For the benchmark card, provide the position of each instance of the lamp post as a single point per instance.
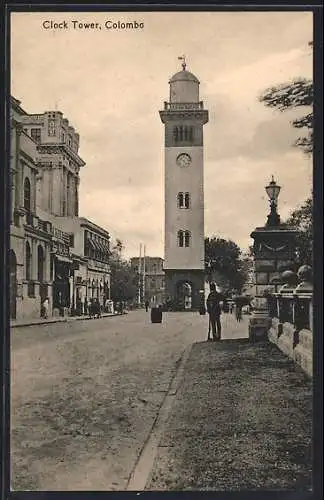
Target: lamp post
(273, 190)
(273, 251)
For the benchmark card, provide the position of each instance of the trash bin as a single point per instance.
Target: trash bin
(156, 315)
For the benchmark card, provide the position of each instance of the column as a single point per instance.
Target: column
(34, 260)
(76, 196)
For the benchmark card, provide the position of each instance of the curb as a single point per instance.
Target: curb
(63, 320)
(140, 475)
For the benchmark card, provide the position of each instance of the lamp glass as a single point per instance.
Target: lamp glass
(273, 190)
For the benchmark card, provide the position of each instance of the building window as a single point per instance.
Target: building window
(181, 133)
(28, 261)
(180, 238)
(183, 200)
(36, 134)
(27, 192)
(180, 200)
(187, 238)
(51, 127)
(184, 238)
(175, 134)
(191, 134)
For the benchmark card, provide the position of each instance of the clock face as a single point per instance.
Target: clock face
(183, 160)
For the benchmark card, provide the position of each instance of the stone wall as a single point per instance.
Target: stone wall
(297, 346)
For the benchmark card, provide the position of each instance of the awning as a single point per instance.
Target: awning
(96, 244)
(91, 243)
(106, 248)
(62, 258)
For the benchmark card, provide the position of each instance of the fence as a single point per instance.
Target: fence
(291, 310)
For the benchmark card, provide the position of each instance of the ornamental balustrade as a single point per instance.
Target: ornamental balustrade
(294, 301)
(176, 106)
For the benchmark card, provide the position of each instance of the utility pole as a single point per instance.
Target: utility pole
(139, 274)
(144, 271)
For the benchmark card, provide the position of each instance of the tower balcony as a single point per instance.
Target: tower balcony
(179, 106)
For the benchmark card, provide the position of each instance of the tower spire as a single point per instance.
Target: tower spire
(183, 59)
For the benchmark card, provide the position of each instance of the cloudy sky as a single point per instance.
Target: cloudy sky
(110, 84)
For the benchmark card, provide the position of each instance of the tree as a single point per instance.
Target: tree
(293, 95)
(224, 257)
(302, 219)
(123, 280)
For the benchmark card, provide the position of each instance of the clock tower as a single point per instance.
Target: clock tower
(184, 261)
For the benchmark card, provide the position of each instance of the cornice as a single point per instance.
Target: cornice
(60, 148)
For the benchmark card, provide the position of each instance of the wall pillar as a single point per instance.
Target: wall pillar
(273, 252)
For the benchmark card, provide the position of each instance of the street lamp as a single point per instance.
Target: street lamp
(273, 191)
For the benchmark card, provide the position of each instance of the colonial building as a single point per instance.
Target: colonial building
(154, 277)
(30, 236)
(58, 161)
(184, 117)
(54, 253)
(89, 261)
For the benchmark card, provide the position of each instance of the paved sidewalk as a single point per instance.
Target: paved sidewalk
(55, 319)
(242, 420)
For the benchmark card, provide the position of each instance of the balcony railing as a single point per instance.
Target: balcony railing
(67, 238)
(183, 106)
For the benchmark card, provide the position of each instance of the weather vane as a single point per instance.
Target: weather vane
(183, 59)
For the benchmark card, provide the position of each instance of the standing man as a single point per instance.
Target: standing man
(214, 311)
(146, 305)
(45, 308)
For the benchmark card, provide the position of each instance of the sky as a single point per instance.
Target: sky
(111, 84)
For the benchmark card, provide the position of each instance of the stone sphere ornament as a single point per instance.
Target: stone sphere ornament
(289, 277)
(305, 273)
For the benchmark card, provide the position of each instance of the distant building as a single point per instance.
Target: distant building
(154, 289)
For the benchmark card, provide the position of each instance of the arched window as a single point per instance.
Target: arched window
(28, 261)
(185, 133)
(175, 133)
(187, 200)
(180, 200)
(181, 133)
(40, 261)
(187, 238)
(190, 133)
(27, 200)
(180, 238)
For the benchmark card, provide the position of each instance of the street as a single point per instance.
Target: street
(85, 395)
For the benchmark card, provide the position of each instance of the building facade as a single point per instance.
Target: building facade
(30, 236)
(89, 262)
(151, 270)
(184, 117)
(54, 253)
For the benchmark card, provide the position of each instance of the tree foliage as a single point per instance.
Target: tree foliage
(302, 219)
(224, 257)
(298, 93)
(123, 280)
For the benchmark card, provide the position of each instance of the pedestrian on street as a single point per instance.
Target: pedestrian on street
(214, 311)
(91, 309)
(45, 308)
(146, 305)
(97, 310)
(238, 312)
